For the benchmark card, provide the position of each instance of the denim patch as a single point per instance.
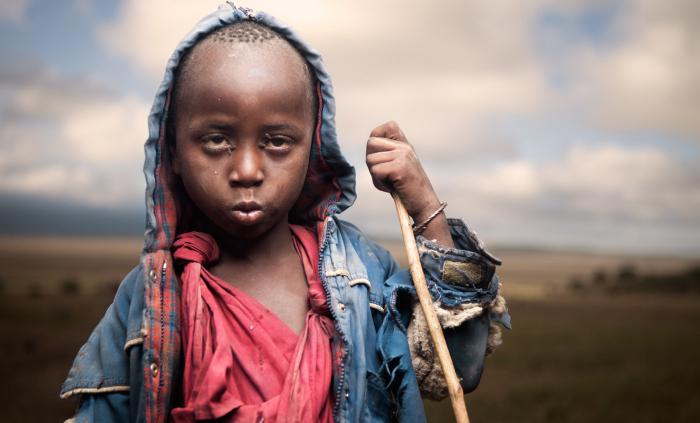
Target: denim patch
(462, 273)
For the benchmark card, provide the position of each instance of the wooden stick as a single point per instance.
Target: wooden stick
(426, 304)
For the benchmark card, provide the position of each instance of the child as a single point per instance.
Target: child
(252, 300)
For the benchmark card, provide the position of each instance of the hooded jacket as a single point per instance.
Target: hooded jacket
(130, 367)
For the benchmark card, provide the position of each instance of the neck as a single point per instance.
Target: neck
(275, 242)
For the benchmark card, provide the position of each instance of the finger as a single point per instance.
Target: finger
(401, 153)
(389, 130)
(381, 157)
(377, 144)
(383, 175)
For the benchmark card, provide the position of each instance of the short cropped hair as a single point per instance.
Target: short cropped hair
(247, 32)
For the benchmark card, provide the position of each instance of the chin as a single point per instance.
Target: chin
(248, 231)
(239, 226)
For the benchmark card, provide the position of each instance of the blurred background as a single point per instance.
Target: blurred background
(566, 132)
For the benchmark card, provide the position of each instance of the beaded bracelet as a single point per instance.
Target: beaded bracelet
(418, 229)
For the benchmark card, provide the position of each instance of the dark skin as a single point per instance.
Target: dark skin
(244, 129)
(394, 167)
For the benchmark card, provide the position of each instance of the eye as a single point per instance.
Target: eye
(277, 142)
(216, 143)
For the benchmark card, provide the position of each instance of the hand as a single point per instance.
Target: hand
(394, 167)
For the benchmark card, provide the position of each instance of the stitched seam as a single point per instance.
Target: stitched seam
(105, 390)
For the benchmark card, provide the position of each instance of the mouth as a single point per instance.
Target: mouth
(247, 213)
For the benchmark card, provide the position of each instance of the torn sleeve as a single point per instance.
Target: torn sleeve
(467, 301)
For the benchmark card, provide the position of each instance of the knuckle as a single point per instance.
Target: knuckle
(369, 148)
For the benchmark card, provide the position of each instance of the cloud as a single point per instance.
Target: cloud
(70, 138)
(107, 132)
(13, 10)
(436, 70)
(646, 77)
(146, 32)
(451, 75)
(45, 181)
(464, 80)
(456, 63)
(643, 185)
(613, 190)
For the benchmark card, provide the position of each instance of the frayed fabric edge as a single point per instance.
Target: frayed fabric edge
(426, 365)
(497, 309)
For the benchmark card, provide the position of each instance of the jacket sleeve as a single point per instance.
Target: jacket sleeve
(100, 374)
(465, 291)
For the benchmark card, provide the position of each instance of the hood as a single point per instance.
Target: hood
(330, 180)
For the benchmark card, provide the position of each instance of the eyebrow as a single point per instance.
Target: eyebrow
(219, 126)
(280, 126)
(227, 126)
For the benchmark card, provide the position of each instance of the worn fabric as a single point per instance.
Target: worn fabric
(241, 362)
(371, 301)
(130, 368)
(329, 189)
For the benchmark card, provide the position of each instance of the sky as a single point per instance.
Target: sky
(546, 123)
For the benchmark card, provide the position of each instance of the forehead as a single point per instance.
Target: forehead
(253, 68)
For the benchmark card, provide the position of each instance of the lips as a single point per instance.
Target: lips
(247, 212)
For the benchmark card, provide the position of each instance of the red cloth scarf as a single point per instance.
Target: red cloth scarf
(242, 363)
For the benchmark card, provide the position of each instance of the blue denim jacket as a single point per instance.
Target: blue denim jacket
(371, 302)
(129, 369)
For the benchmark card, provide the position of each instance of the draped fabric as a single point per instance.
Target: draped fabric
(241, 362)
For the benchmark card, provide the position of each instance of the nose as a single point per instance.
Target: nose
(247, 167)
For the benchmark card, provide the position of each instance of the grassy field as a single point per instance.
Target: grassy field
(593, 360)
(571, 357)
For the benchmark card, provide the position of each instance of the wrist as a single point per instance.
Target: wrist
(422, 225)
(426, 209)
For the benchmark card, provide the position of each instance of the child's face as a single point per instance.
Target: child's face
(243, 126)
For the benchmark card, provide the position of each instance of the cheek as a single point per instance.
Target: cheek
(199, 178)
(288, 179)
(299, 175)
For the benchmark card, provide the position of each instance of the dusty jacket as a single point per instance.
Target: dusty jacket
(129, 369)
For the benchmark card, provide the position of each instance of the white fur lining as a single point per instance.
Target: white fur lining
(425, 362)
(497, 308)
